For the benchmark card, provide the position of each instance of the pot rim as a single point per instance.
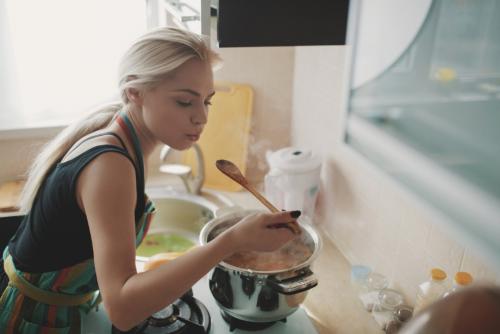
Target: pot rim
(309, 228)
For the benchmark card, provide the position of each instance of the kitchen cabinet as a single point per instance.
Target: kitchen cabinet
(423, 105)
(244, 23)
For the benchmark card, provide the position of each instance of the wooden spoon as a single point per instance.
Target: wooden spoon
(233, 172)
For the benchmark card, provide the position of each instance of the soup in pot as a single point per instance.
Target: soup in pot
(292, 254)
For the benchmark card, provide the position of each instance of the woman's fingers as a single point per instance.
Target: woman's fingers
(286, 219)
(293, 227)
(285, 216)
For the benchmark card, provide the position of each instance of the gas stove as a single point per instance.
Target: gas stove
(195, 313)
(186, 315)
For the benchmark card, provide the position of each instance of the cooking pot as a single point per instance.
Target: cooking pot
(260, 296)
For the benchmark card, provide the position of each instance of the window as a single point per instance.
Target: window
(58, 58)
(424, 106)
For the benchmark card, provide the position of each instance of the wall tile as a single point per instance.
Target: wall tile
(481, 272)
(414, 228)
(443, 251)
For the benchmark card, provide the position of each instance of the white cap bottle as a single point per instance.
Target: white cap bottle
(461, 280)
(431, 290)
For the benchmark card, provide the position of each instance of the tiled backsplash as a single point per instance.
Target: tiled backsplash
(369, 217)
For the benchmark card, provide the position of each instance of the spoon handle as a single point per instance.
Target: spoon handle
(261, 198)
(293, 226)
(232, 171)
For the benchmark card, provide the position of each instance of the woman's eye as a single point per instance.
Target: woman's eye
(183, 104)
(208, 103)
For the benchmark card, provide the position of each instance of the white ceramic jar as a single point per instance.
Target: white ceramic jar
(293, 180)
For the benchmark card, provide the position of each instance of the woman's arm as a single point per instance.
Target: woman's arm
(107, 193)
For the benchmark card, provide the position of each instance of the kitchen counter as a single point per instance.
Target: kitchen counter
(333, 305)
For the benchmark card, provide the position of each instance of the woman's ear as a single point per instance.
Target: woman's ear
(134, 96)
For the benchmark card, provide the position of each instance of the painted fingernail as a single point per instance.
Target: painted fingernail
(295, 214)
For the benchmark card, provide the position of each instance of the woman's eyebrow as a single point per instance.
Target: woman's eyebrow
(192, 92)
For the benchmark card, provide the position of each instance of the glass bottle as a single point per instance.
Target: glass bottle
(370, 293)
(383, 310)
(430, 290)
(359, 277)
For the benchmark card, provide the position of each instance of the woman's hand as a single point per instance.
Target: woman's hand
(257, 232)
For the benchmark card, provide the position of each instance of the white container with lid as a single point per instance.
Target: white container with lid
(293, 180)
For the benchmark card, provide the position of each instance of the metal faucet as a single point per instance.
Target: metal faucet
(192, 183)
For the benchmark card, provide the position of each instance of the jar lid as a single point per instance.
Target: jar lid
(438, 274)
(463, 278)
(403, 313)
(294, 160)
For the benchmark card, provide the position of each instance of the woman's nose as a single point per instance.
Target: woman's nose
(200, 116)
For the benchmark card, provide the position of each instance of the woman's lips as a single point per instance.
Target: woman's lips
(193, 137)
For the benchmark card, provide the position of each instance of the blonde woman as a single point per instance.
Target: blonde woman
(86, 206)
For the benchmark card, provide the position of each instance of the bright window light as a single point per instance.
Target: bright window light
(58, 58)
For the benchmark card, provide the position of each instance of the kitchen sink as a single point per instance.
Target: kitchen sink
(179, 218)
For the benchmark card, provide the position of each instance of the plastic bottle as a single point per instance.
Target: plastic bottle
(460, 280)
(359, 277)
(431, 290)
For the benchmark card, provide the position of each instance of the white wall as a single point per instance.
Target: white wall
(370, 218)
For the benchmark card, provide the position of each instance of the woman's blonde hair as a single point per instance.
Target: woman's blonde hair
(150, 60)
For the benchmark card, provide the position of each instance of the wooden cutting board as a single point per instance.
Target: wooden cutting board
(9, 195)
(226, 134)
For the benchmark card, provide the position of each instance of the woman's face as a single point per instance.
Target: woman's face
(176, 111)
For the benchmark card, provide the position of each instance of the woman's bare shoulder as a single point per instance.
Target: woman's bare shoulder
(91, 140)
(109, 179)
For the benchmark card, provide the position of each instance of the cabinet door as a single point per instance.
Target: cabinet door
(424, 105)
(281, 22)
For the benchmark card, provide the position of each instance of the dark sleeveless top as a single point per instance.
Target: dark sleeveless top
(55, 233)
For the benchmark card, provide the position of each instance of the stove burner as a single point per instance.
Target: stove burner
(235, 323)
(170, 315)
(186, 315)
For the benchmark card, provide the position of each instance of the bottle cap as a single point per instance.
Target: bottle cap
(438, 274)
(359, 273)
(463, 278)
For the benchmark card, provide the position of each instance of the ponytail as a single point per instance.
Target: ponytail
(54, 150)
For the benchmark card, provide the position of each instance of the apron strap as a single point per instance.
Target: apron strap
(39, 295)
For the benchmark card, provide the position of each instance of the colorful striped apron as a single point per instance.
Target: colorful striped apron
(51, 302)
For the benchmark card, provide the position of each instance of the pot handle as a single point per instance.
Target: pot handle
(305, 281)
